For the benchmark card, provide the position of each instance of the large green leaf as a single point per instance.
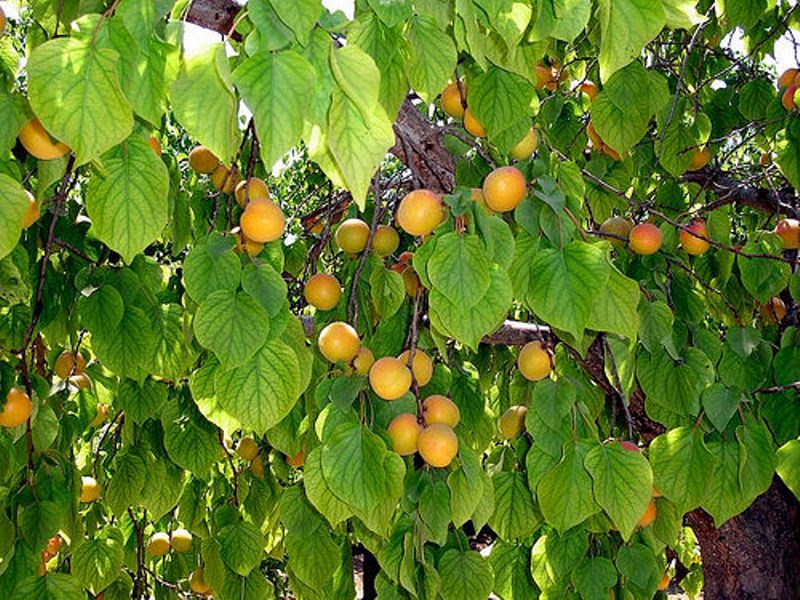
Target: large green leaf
(204, 101)
(233, 325)
(433, 58)
(127, 482)
(319, 493)
(594, 577)
(512, 572)
(742, 12)
(789, 465)
(299, 16)
(13, 205)
(128, 201)
(565, 492)
(763, 278)
(162, 497)
(98, 560)
(565, 285)
(563, 20)
(12, 118)
(242, 546)
(623, 484)
(276, 87)
(265, 284)
(626, 26)
(127, 348)
(725, 497)
(615, 310)
(459, 270)
(190, 440)
(515, 515)
(211, 266)
(681, 464)
(53, 586)
(387, 291)
(554, 557)
(141, 401)
(75, 91)
(465, 574)
(466, 487)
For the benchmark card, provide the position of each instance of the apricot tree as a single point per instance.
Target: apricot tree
(501, 296)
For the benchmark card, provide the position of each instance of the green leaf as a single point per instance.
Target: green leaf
(319, 492)
(725, 497)
(242, 546)
(12, 118)
(128, 202)
(13, 207)
(742, 12)
(233, 325)
(433, 58)
(623, 484)
(515, 514)
(204, 82)
(127, 482)
(276, 88)
(626, 26)
(299, 16)
(265, 284)
(387, 290)
(615, 310)
(261, 391)
(758, 460)
(509, 18)
(98, 560)
(682, 14)
(720, 404)
(53, 586)
(565, 492)
(554, 557)
(562, 20)
(391, 12)
(74, 89)
(622, 112)
(458, 269)
(580, 273)
(656, 325)
(160, 498)
(676, 146)
(763, 278)
(465, 575)
(127, 348)
(640, 567)
(789, 465)
(141, 401)
(789, 159)
(466, 487)
(190, 440)
(512, 573)
(210, 267)
(673, 387)
(681, 464)
(594, 577)
(754, 97)
(434, 510)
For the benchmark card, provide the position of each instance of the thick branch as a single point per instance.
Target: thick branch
(216, 15)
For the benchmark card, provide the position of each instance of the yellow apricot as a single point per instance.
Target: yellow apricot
(389, 378)
(789, 232)
(247, 448)
(38, 143)
(181, 540)
(440, 409)
(451, 100)
(68, 364)
(202, 160)
(700, 158)
(534, 361)
(338, 341)
(17, 408)
(225, 179)
(504, 188)
(419, 212)
(437, 445)
(352, 236)
(472, 125)
(526, 146)
(90, 490)
(32, 212)
(197, 582)
(322, 291)
(618, 228)
(251, 189)
(262, 221)
(404, 432)
(158, 544)
(512, 422)
(385, 241)
(422, 366)
(363, 361)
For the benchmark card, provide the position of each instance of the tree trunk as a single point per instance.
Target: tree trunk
(755, 555)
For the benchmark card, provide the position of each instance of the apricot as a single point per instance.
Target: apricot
(645, 238)
(181, 540)
(352, 236)
(90, 490)
(789, 232)
(245, 244)
(526, 146)
(101, 416)
(251, 189)
(2, 21)
(787, 99)
(257, 467)
(534, 361)
(411, 281)
(618, 228)
(404, 432)
(323, 291)
(476, 195)
(419, 212)
(385, 241)
(202, 160)
(440, 409)
(68, 364)
(38, 143)
(247, 448)
(421, 366)
(224, 179)
(472, 125)
(594, 137)
(437, 445)
(512, 422)
(405, 258)
(17, 408)
(53, 546)
(197, 582)
(663, 583)
(81, 382)
(504, 188)
(649, 515)
(774, 310)
(363, 361)
(546, 78)
(787, 78)
(389, 378)
(32, 212)
(262, 221)
(297, 460)
(158, 544)
(694, 245)
(338, 341)
(590, 89)
(451, 100)
(629, 446)
(155, 144)
(700, 158)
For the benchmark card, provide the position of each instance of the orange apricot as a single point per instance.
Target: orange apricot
(251, 189)
(38, 143)
(323, 291)
(17, 408)
(440, 409)
(437, 445)
(789, 232)
(202, 160)
(451, 100)
(534, 361)
(690, 243)
(262, 221)
(404, 433)
(389, 378)
(338, 341)
(504, 188)
(422, 366)
(419, 212)
(472, 125)
(645, 238)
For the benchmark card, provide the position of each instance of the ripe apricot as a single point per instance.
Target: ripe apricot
(90, 490)
(225, 179)
(512, 422)
(2, 21)
(526, 146)
(389, 378)
(158, 544)
(629, 446)
(262, 221)
(534, 361)
(476, 195)
(352, 236)
(405, 258)
(404, 432)
(440, 409)
(297, 460)
(197, 582)
(437, 445)
(247, 448)
(422, 366)
(618, 229)
(202, 160)
(787, 99)
(81, 382)
(338, 341)
(700, 158)
(68, 364)
(38, 143)
(645, 238)
(323, 291)
(789, 232)
(257, 467)
(451, 100)
(649, 515)
(411, 281)
(17, 408)
(787, 78)
(245, 244)
(663, 583)
(53, 546)
(181, 540)
(385, 241)
(590, 89)
(472, 125)
(419, 212)
(504, 188)
(694, 245)
(155, 144)
(774, 311)
(32, 212)
(101, 416)
(546, 78)
(251, 189)
(363, 361)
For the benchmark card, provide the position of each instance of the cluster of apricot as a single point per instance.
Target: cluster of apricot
(431, 434)
(71, 366)
(646, 238)
(789, 83)
(160, 543)
(262, 220)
